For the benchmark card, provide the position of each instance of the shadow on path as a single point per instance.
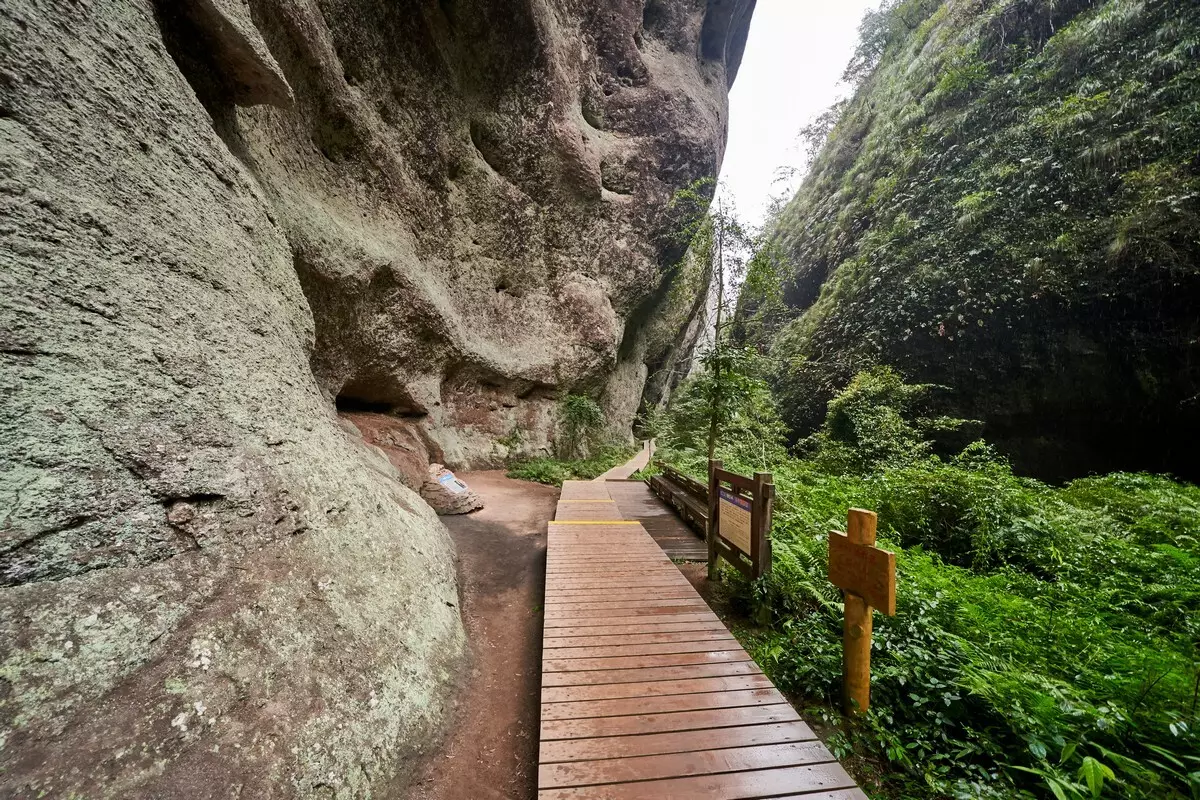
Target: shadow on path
(491, 747)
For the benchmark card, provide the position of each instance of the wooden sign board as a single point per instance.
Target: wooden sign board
(735, 521)
(864, 570)
(739, 521)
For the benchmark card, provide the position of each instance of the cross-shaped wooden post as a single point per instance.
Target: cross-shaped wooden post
(867, 576)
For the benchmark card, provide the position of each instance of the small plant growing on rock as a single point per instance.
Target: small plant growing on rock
(579, 420)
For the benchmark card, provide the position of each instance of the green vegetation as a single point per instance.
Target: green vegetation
(1009, 206)
(554, 471)
(580, 421)
(581, 452)
(1046, 641)
(1008, 211)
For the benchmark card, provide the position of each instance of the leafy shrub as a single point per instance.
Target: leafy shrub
(1046, 637)
(876, 421)
(554, 471)
(579, 422)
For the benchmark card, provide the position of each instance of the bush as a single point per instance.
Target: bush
(579, 422)
(555, 472)
(1045, 643)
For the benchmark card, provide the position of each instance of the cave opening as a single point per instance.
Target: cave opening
(378, 396)
(350, 404)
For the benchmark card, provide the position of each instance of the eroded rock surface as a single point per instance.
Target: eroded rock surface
(219, 219)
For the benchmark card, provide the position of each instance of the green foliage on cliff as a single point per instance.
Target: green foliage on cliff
(580, 420)
(1046, 640)
(1009, 206)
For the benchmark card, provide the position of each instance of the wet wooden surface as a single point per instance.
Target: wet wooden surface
(637, 502)
(645, 694)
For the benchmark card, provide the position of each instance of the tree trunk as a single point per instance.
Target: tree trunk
(714, 409)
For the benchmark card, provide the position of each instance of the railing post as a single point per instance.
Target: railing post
(760, 536)
(714, 506)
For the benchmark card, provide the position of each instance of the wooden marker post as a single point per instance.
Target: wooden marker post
(867, 576)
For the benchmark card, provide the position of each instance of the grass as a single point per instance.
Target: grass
(555, 471)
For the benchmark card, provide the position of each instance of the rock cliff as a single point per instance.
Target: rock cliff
(1010, 207)
(221, 221)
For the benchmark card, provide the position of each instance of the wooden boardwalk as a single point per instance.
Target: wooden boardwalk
(642, 459)
(645, 694)
(637, 502)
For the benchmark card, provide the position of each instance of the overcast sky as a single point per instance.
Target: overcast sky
(790, 73)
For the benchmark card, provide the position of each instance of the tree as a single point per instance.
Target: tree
(730, 243)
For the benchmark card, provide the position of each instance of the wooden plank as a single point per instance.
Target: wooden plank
(840, 794)
(600, 564)
(661, 602)
(677, 742)
(663, 723)
(672, 605)
(712, 624)
(615, 581)
(638, 662)
(616, 647)
(657, 705)
(559, 595)
(616, 569)
(616, 691)
(647, 581)
(626, 581)
(691, 612)
(641, 610)
(645, 693)
(607, 621)
(637, 649)
(633, 583)
(676, 765)
(639, 638)
(613, 676)
(757, 783)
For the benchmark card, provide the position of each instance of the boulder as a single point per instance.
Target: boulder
(447, 494)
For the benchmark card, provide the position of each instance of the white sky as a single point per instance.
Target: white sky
(794, 60)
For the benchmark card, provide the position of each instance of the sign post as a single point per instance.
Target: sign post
(867, 576)
(739, 521)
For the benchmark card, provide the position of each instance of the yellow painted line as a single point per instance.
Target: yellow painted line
(593, 522)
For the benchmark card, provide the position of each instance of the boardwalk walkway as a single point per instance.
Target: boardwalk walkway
(631, 466)
(645, 694)
(637, 502)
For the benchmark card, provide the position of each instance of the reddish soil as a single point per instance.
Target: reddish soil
(491, 748)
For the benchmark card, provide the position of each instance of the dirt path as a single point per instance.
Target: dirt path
(491, 748)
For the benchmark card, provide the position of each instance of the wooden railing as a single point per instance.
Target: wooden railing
(697, 503)
(688, 496)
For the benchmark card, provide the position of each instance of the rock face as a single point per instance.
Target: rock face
(1010, 207)
(499, 171)
(220, 220)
